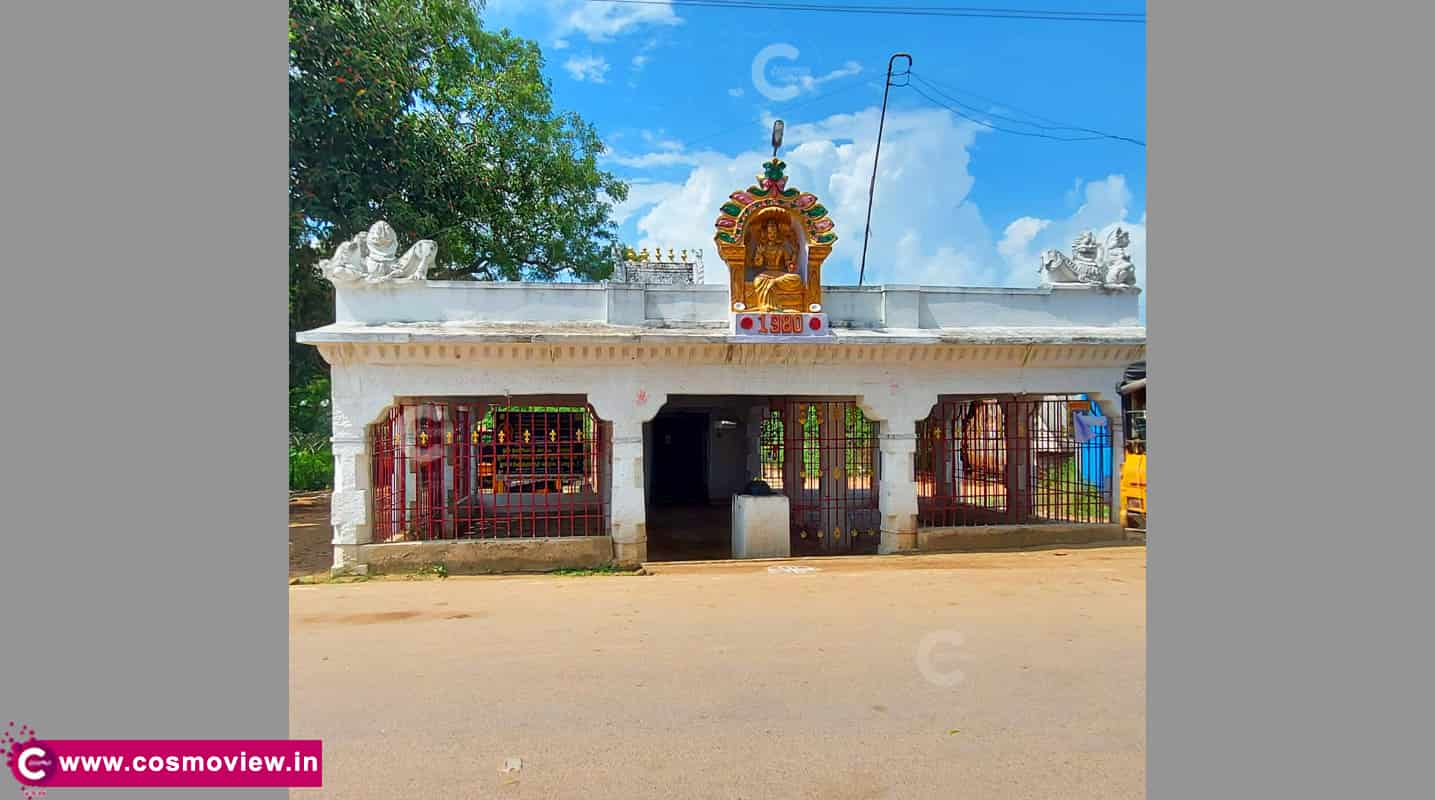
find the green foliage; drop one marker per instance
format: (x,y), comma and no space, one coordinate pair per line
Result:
(1071,496)
(311,461)
(309,408)
(310,469)
(436,570)
(411,112)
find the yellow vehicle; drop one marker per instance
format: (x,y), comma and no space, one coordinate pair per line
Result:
(1133,467)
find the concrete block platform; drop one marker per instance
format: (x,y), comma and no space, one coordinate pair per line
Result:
(760,526)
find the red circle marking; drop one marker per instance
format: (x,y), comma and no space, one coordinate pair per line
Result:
(815,323)
(746,323)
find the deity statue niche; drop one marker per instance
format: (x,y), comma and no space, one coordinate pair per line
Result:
(774,240)
(772,266)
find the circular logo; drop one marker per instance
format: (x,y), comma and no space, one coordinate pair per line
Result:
(935,675)
(759,70)
(34,763)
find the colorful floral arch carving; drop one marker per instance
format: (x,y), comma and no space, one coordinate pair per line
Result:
(762,201)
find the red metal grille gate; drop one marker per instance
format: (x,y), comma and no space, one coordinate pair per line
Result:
(474,469)
(823,455)
(1011,460)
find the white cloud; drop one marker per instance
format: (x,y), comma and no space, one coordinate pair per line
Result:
(808,83)
(657,158)
(1018,235)
(587,68)
(668,152)
(600,22)
(641,194)
(736,91)
(655,138)
(595,21)
(641,59)
(559,44)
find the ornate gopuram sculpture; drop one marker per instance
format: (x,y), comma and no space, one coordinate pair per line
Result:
(773,240)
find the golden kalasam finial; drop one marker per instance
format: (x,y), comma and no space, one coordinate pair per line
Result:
(671,255)
(685,255)
(643,254)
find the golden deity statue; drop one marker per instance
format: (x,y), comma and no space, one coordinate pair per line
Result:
(774,239)
(777,286)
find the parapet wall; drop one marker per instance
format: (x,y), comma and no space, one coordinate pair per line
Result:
(865,307)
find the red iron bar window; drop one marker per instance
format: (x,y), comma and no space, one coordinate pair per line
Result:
(449,469)
(1012,461)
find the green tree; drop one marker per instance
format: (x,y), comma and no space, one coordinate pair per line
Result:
(407,110)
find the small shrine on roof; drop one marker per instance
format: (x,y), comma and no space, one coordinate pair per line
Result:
(773,240)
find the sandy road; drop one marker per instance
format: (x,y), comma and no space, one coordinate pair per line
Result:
(730,681)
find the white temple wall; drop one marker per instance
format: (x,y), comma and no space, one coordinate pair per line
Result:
(628,385)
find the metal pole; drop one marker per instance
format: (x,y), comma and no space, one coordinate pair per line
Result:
(872,187)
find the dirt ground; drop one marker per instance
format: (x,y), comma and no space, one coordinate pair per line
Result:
(310,551)
(1010,675)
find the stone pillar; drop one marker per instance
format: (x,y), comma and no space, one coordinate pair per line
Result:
(349,505)
(626,408)
(628,512)
(351,411)
(897,495)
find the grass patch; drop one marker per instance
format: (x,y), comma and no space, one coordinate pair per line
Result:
(433,571)
(604,569)
(427,572)
(322,578)
(438,572)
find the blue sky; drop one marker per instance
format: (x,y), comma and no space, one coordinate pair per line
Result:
(686,112)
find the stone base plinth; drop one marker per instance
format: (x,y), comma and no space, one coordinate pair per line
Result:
(1003,537)
(476,556)
(760,526)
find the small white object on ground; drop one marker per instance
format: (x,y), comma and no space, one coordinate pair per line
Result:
(792,570)
(511,765)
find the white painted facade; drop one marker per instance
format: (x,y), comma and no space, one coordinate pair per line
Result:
(629,347)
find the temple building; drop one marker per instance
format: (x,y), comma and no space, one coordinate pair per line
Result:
(507,425)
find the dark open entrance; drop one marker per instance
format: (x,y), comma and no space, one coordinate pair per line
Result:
(701,450)
(680,459)
(696,458)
